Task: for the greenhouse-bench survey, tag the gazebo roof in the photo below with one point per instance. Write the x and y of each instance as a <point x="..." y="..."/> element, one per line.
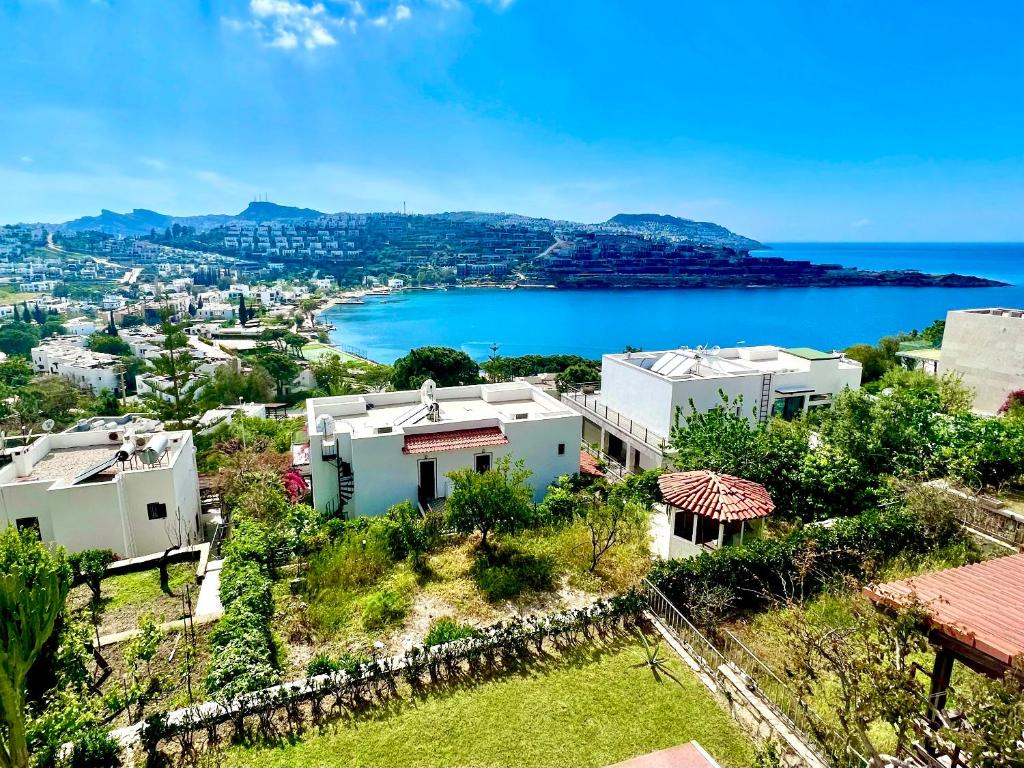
<point x="977" y="609"/>
<point x="724" y="498"/>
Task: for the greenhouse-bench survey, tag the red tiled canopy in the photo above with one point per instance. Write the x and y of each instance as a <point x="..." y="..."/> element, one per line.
<point x="455" y="440"/>
<point x="979" y="605"/>
<point x="724" y="498"/>
<point x="588" y="465"/>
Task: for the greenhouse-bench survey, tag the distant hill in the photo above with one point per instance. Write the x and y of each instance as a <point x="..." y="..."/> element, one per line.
<point x="264" y="211"/>
<point x="140" y="221"/>
<point x="675" y="228"/>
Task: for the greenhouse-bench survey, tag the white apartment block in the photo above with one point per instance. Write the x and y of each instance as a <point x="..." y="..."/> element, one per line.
<point x="133" y="493"/>
<point x="632" y="415"/>
<point x="215" y="311"/>
<point x="368" y="452"/>
<point x="68" y="357"/>
<point x="985" y="347"/>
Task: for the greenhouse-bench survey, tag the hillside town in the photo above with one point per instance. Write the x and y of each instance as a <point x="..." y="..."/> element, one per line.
<point x="233" y="531"/>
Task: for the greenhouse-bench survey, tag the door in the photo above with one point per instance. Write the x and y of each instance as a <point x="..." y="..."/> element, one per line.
<point x="427" y="490"/>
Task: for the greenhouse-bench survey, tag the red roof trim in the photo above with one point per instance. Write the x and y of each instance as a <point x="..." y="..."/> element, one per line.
<point x="455" y="440"/>
<point x="718" y="497"/>
<point x="979" y="605"/>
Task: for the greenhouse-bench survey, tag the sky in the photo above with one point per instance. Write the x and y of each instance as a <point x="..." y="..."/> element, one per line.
<point x="784" y="121"/>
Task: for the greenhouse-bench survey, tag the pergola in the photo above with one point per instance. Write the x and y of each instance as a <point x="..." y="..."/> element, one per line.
<point x="975" y="615"/>
<point x="713" y="505"/>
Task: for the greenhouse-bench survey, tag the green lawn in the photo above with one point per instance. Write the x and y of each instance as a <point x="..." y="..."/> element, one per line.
<point x="124" y="598"/>
<point x="315" y="350"/>
<point x="589" y="709"/>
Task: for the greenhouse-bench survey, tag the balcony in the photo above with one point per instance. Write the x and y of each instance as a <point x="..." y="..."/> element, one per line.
<point x="586" y="398"/>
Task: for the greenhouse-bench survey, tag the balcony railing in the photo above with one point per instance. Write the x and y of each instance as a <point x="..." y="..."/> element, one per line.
<point x="587" y="397"/>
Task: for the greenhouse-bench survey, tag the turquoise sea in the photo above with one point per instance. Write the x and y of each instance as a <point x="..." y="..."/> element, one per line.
<point x="593" y="322"/>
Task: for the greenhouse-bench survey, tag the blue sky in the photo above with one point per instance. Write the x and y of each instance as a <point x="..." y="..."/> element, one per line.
<point x="807" y="120"/>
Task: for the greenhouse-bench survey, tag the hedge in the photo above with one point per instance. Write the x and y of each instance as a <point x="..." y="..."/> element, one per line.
<point x="751" y="575"/>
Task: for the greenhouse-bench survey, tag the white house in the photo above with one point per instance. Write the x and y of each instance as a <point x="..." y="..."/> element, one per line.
<point x="215" y="311"/>
<point x="80" y="326"/>
<point x="631" y="417"/>
<point x="372" y="451"/>
<point x="133" y="493"/>
<point x="986" y="348"/>
<point x="67" y="356"/>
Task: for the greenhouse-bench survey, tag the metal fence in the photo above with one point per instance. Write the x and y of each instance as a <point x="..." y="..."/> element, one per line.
<point x="756" y="676"/>
<point x="585" y="396"/>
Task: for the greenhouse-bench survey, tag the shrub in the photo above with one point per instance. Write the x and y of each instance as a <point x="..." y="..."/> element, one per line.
<point x="322" y="664"/>
<point x="93" y="748"/>
<point x="406" y="533"/>
<point x="257" y="542"/>
<point x="446" y="629"/>
<point x="383" y="608"/>
<point x="508" y="572"/>
<point x="245" y="586"/>
<point x="241" y="666"/>
<point x="799" y="564"/>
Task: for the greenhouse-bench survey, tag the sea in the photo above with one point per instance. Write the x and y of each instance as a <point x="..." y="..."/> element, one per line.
<point x="595" y="322"/>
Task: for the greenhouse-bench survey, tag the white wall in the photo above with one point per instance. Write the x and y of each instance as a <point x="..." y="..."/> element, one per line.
<point x="987" y="350"/>
<point x="384" y="475"/>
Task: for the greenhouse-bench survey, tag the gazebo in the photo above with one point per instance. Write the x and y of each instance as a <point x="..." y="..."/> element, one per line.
<point x="974" y="615"/>
<point x="711" y="510"/>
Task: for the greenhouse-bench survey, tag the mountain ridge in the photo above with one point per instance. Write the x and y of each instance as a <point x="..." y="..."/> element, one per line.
<point x="140" y="221"/>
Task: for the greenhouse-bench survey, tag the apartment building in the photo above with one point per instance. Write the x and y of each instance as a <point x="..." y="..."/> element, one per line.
<point x="631" y="416"/>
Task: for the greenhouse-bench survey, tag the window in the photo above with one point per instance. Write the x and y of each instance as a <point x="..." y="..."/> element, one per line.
<point x="482" y="462"/>
<point x="682" y="525"/>
<point x="156" y="510"/>
<point x="561" y="449"/>
<point x="28" y="524"/>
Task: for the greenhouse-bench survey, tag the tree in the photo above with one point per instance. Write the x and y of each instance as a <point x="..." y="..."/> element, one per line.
<point x="934" y="333"/>
<point x="498" y="500"/>
<point x="16" y="372"/>
<point x="281" y="367"/>
<point x="446" y="366"/>
<point x="227" y="385"/>
<point x="990" y="731"/>
<point x="577" y="374"/>
<point x="609" y="523"/>
<point x="192" y="309"/>
<point x="174" y="399"/>
<point x="870" y="659"/>
<point x="111" y="328"/>
<point x="720" y="439"/>
<point x="89" y="566"/>
<point x="54" y="396"/>
<point x="38" y="315"/>
<point x="111" y="345"/>
<point x="18" y="340"/>
<point x="34" y="582"/>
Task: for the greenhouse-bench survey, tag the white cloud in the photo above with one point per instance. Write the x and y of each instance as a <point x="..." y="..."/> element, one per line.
<point x="312" y="24"/>
<point x="25" y="159"/>
<point x="153" y="162"/>
<point x="861" y="223"/>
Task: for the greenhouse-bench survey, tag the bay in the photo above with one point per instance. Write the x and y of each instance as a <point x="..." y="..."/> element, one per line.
<point x="594" y="322"/>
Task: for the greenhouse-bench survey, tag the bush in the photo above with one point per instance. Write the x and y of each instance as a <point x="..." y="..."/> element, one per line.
<point x="799" y="564"/>
<point x="93" y="748"/>
<point x="446" y="629"/>
<point x="244" y="586"/>
<point x="256" y="542"/>
<point x="383" y="608"/>
<point x="508" y="572"/>
<point x="321" y="664"/>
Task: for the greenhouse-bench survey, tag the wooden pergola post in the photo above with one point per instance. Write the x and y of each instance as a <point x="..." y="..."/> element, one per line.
<point x="942" y="671"/>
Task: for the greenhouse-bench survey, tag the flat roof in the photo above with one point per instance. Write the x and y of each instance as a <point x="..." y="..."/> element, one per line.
<point x="808" y="353"/>
<point x="980" y="606"/>
<point x="65" y="464"/>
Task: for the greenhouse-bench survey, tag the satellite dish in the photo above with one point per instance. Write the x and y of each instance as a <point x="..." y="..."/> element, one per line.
<point x="715" y="349"/>
<point x="325" y="425"/>
<point x="47" y="425"/>
<point x="427" y="391"/>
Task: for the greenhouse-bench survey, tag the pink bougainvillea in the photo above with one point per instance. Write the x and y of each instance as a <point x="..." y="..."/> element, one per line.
<point x="294" y="485"/>
<point x="1014" y="398"/>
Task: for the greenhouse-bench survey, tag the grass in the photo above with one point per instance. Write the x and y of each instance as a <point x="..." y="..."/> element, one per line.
<point x="124" y="598"/>
<point x="592" y="707"/>
<point x="314" y="350"/>
<point x="349" y="604"/>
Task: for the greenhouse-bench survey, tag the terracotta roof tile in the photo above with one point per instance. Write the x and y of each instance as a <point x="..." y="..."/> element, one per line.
<point x="588" y="465"/>
<point x="455" y="440"/>
<point x="718" y="497"/>
<point x="980" y="605"/>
